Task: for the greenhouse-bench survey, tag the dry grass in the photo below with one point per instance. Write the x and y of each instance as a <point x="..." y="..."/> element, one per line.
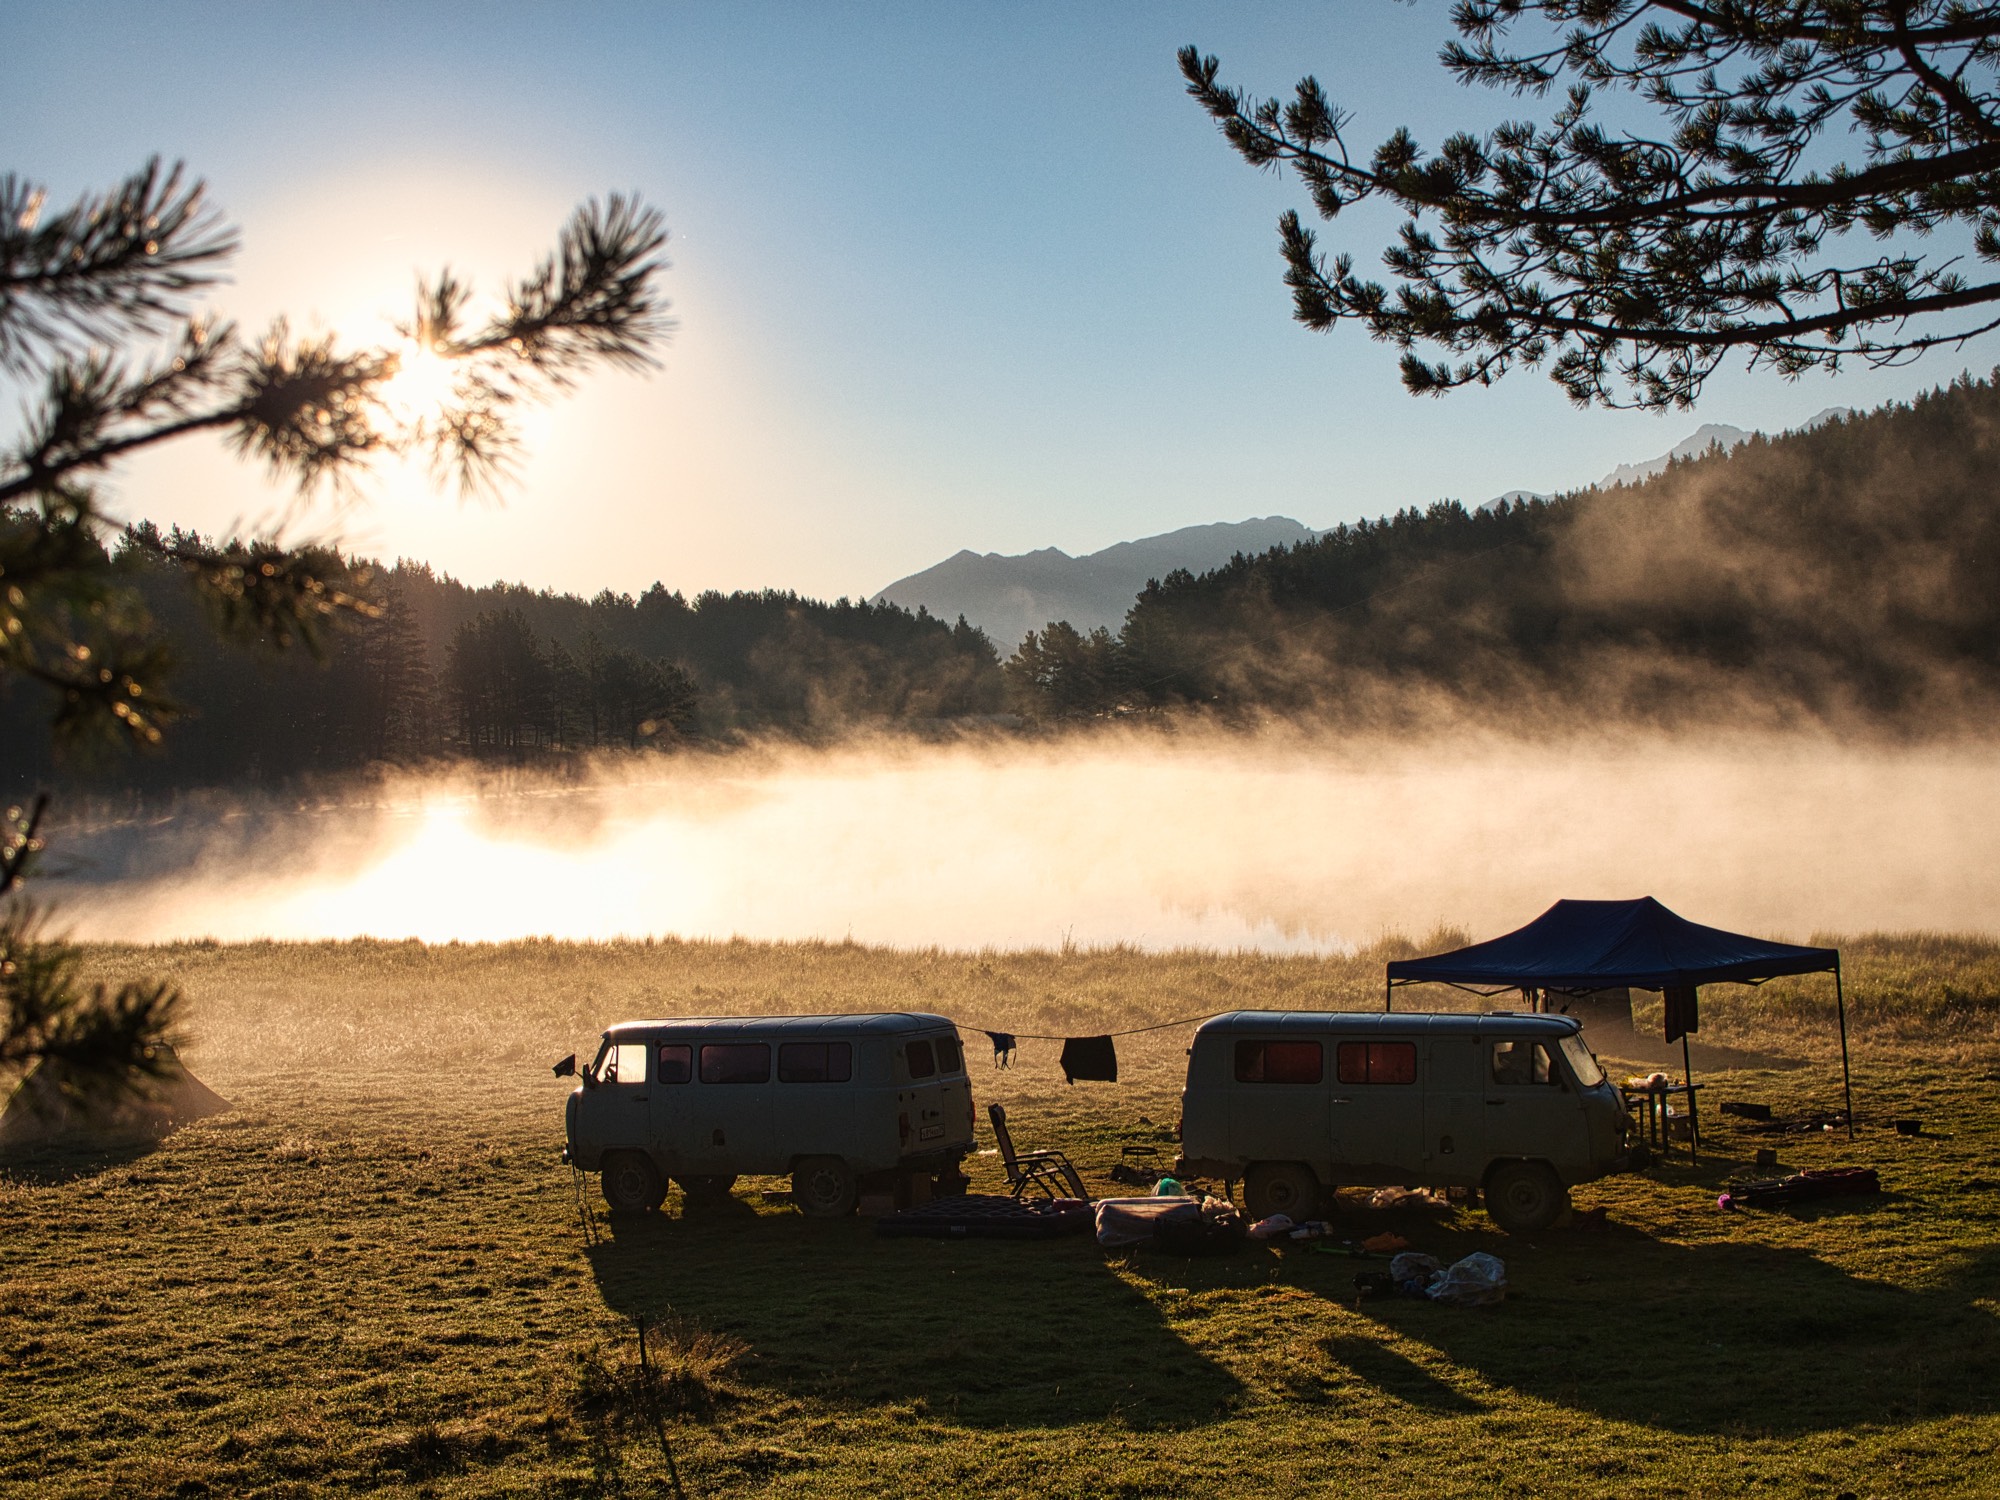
<point x="370" y="1278"/>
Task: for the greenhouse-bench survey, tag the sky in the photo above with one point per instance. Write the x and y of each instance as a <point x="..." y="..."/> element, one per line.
<point x="945" y="275"/>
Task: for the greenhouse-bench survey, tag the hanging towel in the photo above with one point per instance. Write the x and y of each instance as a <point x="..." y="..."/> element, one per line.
<point x="1683" y="1012"/>
<point x="1003" y="1047"/>
<point x="1091" y="1058"/>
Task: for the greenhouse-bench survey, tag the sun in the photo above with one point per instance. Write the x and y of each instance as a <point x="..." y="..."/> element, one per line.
<point x="422" y="385"/>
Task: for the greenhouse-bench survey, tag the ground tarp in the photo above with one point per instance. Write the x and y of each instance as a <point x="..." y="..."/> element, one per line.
<point x="1577" y="945"/>
<point x="42" y="1115"/>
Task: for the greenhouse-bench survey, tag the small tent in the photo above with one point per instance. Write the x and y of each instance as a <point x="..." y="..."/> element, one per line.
<point x="45" y="1115"/>
<point x="1594" y="945"/>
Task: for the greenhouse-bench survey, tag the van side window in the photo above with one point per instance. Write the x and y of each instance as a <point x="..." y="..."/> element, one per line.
<point x="736" y="1062"/>
<point x="676" y="1062"/>
<point x="626" y="1064"/>
<point x="949" y="1058"/>
<point x="1279" y="1062"/>
<point x="815" y="1062"/>
<point x="1522" y="1062"/>
<point x="922" y="1061"/>
<point x="1377" y="1062"/>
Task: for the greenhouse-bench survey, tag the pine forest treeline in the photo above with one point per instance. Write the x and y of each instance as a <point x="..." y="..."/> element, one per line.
<point x="1842" y="576"/>
<point x="446" y="670"/>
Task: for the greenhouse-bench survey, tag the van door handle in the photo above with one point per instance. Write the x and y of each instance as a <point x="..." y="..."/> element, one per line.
<point x="1496" y="1101"/>
<point x="1340" y="1101"/>
<point x="640" y="1098"/>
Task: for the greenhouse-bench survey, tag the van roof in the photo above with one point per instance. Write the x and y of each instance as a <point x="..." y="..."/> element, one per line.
<point x="1404" y="1022"/>
<point x="888" y="1023"/>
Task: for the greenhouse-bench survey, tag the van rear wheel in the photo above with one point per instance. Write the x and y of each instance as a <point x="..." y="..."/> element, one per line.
<point x="823" y="1187"/>
<point x="1525" y="1195"/>
<point x="1281" y="1187"/>
<point x="631" y="1183"/>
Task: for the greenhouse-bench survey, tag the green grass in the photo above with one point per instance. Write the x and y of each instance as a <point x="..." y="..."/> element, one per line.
<point x="372" y="1277"/>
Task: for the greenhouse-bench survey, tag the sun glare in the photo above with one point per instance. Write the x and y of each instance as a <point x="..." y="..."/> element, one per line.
<point x="421" y="386"/>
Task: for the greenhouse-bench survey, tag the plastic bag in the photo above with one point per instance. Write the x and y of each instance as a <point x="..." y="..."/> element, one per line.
<point x="1413" y="1271"/>
<point x="1275" y="1227"/>
<point x="1477" y="1281"/>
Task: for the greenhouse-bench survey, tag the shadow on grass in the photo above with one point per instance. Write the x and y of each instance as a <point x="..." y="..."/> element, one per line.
<point x="1725" y="1338"/>
<point x="52" y="1166"/>
<point x="986" y="1333"/>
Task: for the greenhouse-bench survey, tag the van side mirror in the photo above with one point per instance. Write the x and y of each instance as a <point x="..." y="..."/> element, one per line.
<point x="566" y="1068"/>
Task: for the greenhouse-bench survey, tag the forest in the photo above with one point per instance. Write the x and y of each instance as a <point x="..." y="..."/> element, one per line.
<point x="446" y="671"/>
<point x="1841" y="577"/>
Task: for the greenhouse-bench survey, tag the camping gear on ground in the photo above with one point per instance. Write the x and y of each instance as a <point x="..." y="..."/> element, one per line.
<point x="1639" y="944"/>
<point x="1133" y="1221"/>
<point x="1272" y="1227"/>
<point x="1187" y="1226"/>
<point x="1479" y="1280"/>
<point x="1091" y="1058"/>
<point x="1218" y="1229"/>
<point x="1402" y="1197"/>
<point x="1168" y="1187"/>
<point x="1744" y="1111"/>
<point x="1384" y="1244"/>
<point x="48" y="1112"/>
<point x="1290" y="1101"/>
<point x="1909" y="1127"/>
<point x="1312" y="1229"/>
<point x="844" y="1104"/>
<point x="1047" y="1172"/>
<point x="1801" y="1187"/>
<point x="989" y="1217"/>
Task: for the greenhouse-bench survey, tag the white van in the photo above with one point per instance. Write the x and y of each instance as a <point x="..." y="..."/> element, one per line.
<point x="1295" y="1103"/>
<point x="841" y="1103"/>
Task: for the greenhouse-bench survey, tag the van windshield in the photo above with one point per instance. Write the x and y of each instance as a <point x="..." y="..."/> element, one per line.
<point x="1581" y="1063"/>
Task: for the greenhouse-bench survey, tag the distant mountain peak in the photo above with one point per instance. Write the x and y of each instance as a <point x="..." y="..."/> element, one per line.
<point x="1009" y="595"/>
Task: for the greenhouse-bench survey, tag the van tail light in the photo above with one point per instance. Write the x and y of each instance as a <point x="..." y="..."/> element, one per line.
<point x="903" y="1127"/>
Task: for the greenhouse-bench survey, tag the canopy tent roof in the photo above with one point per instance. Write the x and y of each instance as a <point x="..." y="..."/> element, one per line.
<point x="1580" y="945"/>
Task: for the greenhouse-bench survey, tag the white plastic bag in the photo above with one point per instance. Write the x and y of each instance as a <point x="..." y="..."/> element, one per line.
<point x="1477" y="1281"/>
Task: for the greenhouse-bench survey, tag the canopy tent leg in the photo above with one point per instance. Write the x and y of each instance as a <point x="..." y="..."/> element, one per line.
<point x="1694" y="1118"/>
<point x="1846" y="1077"/>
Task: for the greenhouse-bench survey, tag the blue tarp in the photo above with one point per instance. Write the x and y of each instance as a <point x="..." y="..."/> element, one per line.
<point x="1580" y="945"/>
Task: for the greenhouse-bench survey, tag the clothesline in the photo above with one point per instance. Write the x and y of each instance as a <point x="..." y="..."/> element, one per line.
<point x="1091" y="1057"/>
<point x="1035" y="1036"/>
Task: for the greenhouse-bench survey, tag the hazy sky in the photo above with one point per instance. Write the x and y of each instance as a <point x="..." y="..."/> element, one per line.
<point x="947" y="275"/>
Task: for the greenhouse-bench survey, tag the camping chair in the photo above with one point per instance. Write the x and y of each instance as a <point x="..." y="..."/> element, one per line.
<point x="1049" y="1172"/>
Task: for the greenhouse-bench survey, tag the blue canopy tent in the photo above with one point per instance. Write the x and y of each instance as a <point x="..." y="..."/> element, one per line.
<point x="1590" y="945"/>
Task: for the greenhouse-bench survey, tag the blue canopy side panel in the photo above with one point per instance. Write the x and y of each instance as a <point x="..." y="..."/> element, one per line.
<point x="1604" y="944"/>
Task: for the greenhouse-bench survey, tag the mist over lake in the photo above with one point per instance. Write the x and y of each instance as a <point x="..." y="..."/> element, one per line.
<point x="1282" y="843"/>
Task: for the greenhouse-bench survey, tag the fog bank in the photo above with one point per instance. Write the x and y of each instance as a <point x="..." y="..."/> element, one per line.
<point x="1285" y="844"/>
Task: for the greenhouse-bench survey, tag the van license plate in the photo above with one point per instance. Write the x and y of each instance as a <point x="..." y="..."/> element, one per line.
<point x="930" y="1132"/>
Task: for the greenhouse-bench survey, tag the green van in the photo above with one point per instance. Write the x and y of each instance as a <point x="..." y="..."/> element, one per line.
<point x="841" y="1103"/>
<point x="1295" y="1103"/>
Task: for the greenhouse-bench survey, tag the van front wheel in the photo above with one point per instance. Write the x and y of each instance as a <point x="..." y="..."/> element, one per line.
<point x="1281" y="1187"/>
<point x="1525" y="1195"/>
<point x="823" y="1187"/>
<point x="632" y="1184"/>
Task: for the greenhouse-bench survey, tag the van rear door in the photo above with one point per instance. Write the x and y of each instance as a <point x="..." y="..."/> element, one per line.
<point x="920" y="1097"/>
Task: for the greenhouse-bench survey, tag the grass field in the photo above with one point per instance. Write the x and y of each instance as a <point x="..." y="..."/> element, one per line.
<point x="371" y="1276"/>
